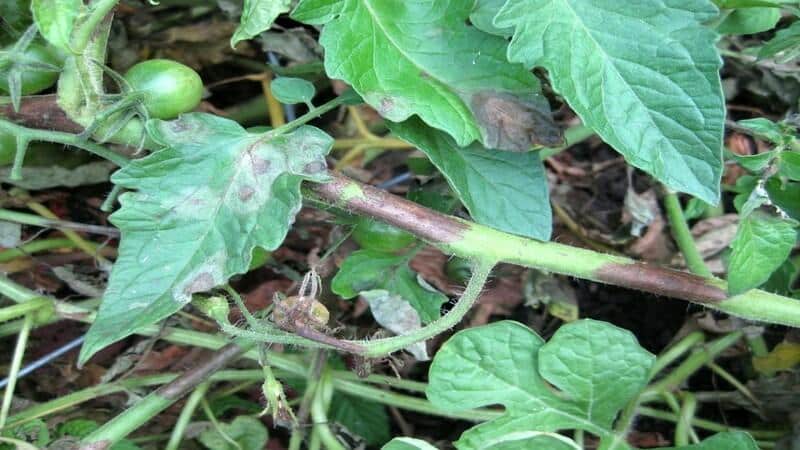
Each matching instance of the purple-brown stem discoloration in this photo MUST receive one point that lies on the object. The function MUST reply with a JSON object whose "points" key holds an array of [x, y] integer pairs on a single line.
{"points": [[661, 281]]}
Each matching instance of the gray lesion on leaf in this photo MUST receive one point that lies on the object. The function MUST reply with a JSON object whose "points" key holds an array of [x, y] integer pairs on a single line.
{"points": [[204, 278], [394, 108], [510, 122]]}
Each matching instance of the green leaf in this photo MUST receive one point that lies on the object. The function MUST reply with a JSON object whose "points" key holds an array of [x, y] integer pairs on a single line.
{"points": [[762, 243], [292, 90], [248, 432], [197, 209], [764, 129], [595, 368], [405, 443], [732, 440], [503, 190], [645, 76], [364, 418], [785, 196], [366, 270], [750, 21], [786, 41], [257, 17], [56, 19], [755, 163], [406, 58], [34, 432], [482, 17], [789, 165]]}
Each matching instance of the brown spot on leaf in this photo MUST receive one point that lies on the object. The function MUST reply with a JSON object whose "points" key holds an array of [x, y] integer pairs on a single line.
{"points": [[314, 167], [260, 166], [246, 193], [512, 123], [201, 283]]}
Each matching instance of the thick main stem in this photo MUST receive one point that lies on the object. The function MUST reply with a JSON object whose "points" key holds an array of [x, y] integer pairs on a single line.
{"points": [[471, 240]]}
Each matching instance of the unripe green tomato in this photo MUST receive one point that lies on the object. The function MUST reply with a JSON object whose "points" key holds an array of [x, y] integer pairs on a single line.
{"points": [[169, 87], [34, 81], [374, 235]]}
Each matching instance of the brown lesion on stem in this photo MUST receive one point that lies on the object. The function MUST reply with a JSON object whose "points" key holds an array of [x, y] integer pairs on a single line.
{"points": [[40, 111], [422, 222], [661, 281]]}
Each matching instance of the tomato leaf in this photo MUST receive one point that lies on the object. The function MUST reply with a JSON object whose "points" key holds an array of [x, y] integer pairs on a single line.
{"points": [[761, 245], [580, 379], [421, 58], [247, 432], [503, 190], [405, 443], [257, 17], [362, 417], [786, 42], [645, 76], [292, 90], [198, 208], [749, 21], [56, 19], [366, 270]]}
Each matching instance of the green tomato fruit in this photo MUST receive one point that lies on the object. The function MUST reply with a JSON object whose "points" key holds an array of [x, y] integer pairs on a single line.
{"points": [[170, 88], [373, 235], [34, 81]]}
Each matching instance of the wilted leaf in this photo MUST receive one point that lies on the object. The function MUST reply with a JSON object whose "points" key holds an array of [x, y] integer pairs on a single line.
{"points": [[421, 58], [197, 210], [644, 75], [396, 315]]}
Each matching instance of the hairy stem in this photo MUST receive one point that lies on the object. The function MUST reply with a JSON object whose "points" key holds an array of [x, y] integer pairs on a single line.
{"points": [[683, 236]]}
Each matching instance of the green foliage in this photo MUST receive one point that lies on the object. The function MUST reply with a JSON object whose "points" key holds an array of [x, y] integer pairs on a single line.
{"points": [[292, 90], [420, 58], [367, 270], [405, 443], [228, 192], [503, 190], [761, 245], [34, 432], [785, 44], [56, 19], [644, 76], [749, 21], [580, 379], [361, 417], [257, 17], [247, 432]]}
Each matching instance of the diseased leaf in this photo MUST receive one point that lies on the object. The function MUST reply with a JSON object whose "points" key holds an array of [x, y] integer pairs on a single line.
{"points": [[56, 19], [248, 433], [761, 245], [643, 74], [580, 379], [257, 17], [364, 418], [366, 270], [421, 58], [503, 190], [198, 208]]}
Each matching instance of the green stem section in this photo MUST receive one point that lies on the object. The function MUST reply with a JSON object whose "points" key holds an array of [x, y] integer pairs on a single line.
{"points": [[683, 236], [98, 10], [63, 138], [37, 246], [24, 308], [186, 416], [310, 115], [676, 351], [16, 363], [319, 414]]}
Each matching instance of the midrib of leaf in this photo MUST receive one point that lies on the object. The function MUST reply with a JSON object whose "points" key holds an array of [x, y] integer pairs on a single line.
{"points": [[609, 61], [441, 86]]}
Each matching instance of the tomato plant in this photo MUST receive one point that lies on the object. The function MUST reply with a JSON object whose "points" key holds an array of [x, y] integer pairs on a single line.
{"points": [[513, 155], [169, 87]]}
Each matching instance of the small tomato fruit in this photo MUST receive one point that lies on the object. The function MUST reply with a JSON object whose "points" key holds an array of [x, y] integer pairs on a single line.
{"points": [[34, 81], [374, 235], [169, 87]]}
